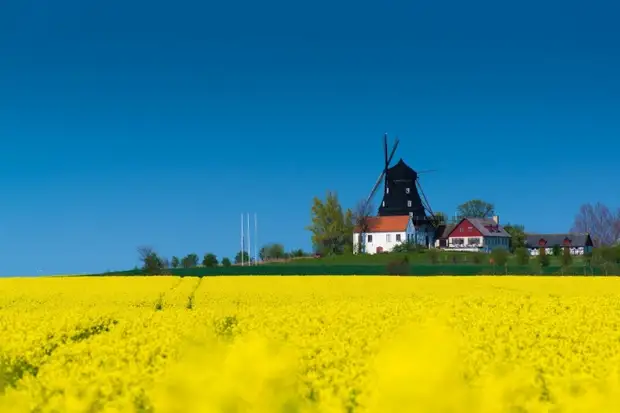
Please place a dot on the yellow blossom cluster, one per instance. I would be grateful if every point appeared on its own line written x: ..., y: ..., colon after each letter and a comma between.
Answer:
x: 310, y: 344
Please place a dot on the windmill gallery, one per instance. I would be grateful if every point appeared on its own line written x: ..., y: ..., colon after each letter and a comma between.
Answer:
x: 405, y: 215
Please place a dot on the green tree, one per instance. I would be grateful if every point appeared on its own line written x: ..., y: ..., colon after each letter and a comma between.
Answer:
x: 556, y: 251
x: 209, y: 260
x: 499, y: 256
x: 543, y: 258
x: 522, y: 255
x: 297, y: 253
x: 273, y: 251
x: 151, y: 262
x: 226, y: 262
x: 174, y: 262
x: 567, y: 258
x: 438, y: 218
x: 331, y: 227
x: 190, y: 261
x: 476, y: 208
x: 245, y: 255
x: 517, y: 236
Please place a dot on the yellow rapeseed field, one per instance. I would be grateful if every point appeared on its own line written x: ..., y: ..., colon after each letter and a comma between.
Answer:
x: 310, y: 344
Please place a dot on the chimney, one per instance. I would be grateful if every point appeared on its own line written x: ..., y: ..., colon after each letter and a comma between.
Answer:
x: 496, y: 219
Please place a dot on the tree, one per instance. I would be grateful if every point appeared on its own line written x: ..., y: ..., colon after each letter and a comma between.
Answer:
x: 567, y: 258
x: 522, y: 255
x: 226, y: 262
x: 600, y: 222
x: 499, y: 256
x: 273, y: 251
x: 209, y: 260
x: 439, y: 218
x: 190, y: 261
x: 476, y: 208
x: 361, y: 220
x: 245, y: 255
x: 297, y: 253
x: 151, y: 262
x: 517, y: 236
x: 556, y: 250
x: 331, y: 227
x: 543, y: 258
x: 174, y: 262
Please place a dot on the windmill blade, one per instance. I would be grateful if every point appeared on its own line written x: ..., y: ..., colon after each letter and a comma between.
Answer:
x: 374, y: 188
x: 396, y: 142
x: 425, y: 203
x: 385, y: 151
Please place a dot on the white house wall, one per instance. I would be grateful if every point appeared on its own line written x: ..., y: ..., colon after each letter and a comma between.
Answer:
x: 385, y: 240
x: 549, y: 251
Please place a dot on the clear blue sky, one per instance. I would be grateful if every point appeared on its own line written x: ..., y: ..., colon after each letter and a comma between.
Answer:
x: 141, y: 122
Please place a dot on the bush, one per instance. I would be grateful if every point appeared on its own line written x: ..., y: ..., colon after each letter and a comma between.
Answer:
x: 433, y: 255
x: 477, y: 257
x: 557, y: 251
x: 226, y: 262
x: 499, y: 256
x: 567, y: 259
x: 398, y: 266
x: 522, y: 255
x: 543, y: 258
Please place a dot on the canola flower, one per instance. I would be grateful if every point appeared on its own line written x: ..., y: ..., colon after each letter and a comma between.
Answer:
x: 310, y: 344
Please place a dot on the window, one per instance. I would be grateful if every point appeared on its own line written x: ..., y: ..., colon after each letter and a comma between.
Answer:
x: 411, y: 214
x: 383, y: 204
x: 397, y: 237
x: 388, y: 237
x: 369, y: 238
x: 408, y: 203
x: 461, y: 229
x: 470, y: 228
x: 407, y: 190
x: 387, y: 190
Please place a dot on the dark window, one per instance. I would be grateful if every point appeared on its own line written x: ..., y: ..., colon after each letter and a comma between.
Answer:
x: 397, y: 237
x: 369, y: 238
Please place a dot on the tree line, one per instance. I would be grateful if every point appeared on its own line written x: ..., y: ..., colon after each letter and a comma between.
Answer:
x: 154, y: 263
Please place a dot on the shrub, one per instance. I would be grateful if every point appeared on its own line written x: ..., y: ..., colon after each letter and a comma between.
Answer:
x: 557, y: 251
x: 433, y: 255
x: 226, y: 262
x: 398, y: 266
x: 522, y: 255
x: 543, y: 258
x: 477, y: 257
x: 499, y: 256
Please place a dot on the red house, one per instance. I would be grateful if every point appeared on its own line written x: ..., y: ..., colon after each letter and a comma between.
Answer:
x: 478, y: 234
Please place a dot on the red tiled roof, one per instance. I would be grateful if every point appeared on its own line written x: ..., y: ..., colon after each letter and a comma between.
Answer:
x: 397, y: 223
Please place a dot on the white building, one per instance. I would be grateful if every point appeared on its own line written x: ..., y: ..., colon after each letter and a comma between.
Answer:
x: 476, y: 234
x: 577, y: 243
x: 384, y: 233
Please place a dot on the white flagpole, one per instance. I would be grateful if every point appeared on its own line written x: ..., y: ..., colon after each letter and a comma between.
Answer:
x: 242, y: 240
x: 249, y: 243
x: 255, y: 238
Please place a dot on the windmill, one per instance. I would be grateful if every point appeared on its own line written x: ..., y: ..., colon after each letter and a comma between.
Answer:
x: 402, y: 191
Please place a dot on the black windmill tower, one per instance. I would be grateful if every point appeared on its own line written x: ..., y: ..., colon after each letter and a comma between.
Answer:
x: 402, y: 192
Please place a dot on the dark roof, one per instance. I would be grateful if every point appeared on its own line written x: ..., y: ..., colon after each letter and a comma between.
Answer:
x: 401, y: 171
x: 444, y: 230
x: 577, y: 239
x: 484, y: 225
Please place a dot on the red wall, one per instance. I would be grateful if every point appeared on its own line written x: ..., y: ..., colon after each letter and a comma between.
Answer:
x: 468, y: 230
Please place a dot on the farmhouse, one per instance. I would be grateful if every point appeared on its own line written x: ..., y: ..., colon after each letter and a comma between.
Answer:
x: 477, y: 234
x: 385, y: 232
x: 577, y: 243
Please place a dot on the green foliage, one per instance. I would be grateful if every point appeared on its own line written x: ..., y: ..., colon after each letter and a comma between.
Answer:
x: 517, y: 236
x: 209, y: 260
x: 240, y: 254
x: 543, y: 258
x: 567, y: 258
x: 272, y: 251
x: 522, y: 256
x: 500, y: 256
x: 399, y: 266
x: 408, y: 246
x: 433, y: 255
x: 298, y: 253
x: 557, y: 251
x: 476, y: 208
x: 189, y: 261
x: 331, y: 227
x: 226, y: 262
x: 174, y: 262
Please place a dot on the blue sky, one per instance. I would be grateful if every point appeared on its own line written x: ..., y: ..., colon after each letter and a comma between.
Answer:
x: 125, y: 123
